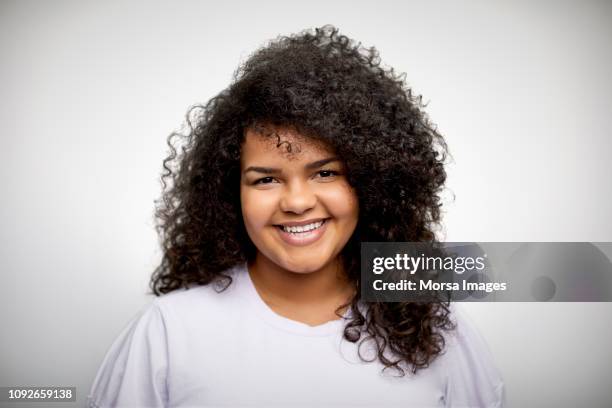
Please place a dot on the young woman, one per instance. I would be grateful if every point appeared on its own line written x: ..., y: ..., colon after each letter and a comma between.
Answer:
x: 313, y: 149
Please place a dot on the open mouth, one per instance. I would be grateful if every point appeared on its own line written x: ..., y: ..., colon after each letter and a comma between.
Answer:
x: 302, y: 235
x: 302, y: 229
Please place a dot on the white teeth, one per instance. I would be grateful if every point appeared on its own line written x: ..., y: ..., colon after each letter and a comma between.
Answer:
x: 302, y: 228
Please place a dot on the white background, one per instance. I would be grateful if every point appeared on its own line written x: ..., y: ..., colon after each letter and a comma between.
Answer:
x: 90, y: 90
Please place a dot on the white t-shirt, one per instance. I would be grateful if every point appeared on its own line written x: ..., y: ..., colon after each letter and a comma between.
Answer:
x: 203, y: 348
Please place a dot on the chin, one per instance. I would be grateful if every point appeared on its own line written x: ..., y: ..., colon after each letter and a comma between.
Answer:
x: 307, y: 266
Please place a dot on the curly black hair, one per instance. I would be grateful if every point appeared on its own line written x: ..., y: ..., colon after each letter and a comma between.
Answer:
x: 334, y: 90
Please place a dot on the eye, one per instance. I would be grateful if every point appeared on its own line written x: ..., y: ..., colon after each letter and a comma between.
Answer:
x: 327, y: 173
x: 264, y: 180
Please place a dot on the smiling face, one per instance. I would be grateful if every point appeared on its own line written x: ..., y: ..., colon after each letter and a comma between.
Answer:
x: 298, y: 208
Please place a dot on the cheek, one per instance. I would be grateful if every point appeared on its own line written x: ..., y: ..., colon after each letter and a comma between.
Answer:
x: 342, y: 203
x: 257, y: 207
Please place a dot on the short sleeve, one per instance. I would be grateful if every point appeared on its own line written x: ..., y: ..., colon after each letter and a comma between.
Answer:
x: 133, y: 373
x: 473, y: 379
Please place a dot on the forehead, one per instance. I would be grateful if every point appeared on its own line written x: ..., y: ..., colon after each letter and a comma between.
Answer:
x: 281, y: 143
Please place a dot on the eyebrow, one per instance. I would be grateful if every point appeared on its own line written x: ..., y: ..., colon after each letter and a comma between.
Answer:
x: 309, y: 166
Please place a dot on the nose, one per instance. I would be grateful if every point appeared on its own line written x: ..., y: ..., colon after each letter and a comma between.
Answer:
x: 298, y: 198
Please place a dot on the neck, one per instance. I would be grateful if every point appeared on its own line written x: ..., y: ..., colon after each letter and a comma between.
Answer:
x: 277, y: 285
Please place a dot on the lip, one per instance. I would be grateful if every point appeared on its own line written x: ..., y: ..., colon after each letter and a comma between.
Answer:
x: 303, y: 238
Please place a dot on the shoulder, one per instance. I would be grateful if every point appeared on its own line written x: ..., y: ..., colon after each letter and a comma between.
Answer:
x: 135, y: 360
x: 135, y: 368
x: 472, y: 376
x: 212, y: 303
x: 466, y: 332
